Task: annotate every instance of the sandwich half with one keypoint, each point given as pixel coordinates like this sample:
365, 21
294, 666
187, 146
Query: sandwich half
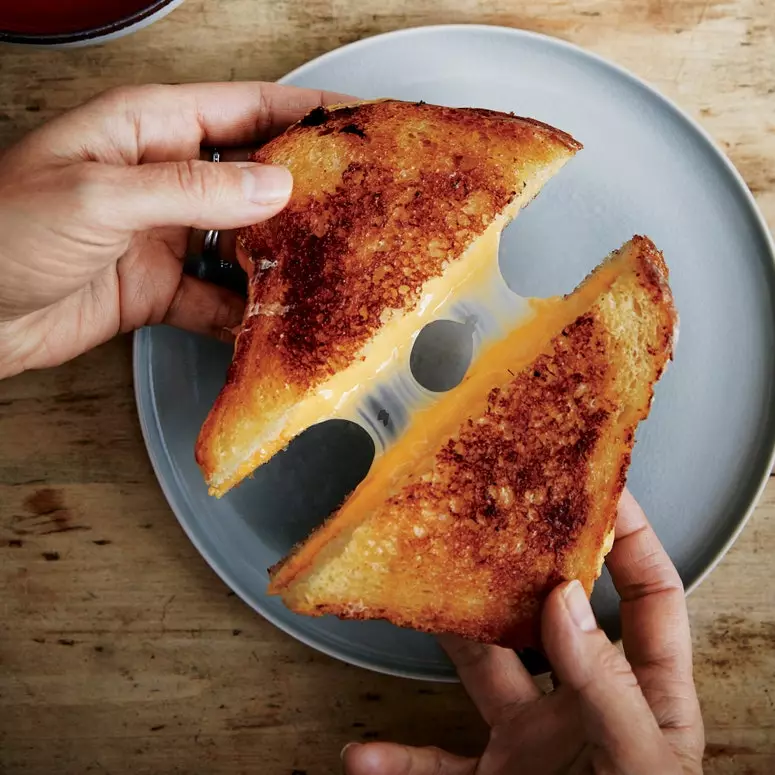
509, 484
393, 203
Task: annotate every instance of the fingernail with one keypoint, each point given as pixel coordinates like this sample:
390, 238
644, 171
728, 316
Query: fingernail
266, 184
345, 749
578, 607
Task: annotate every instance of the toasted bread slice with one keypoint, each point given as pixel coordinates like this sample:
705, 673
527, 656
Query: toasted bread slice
509, 484
389, 200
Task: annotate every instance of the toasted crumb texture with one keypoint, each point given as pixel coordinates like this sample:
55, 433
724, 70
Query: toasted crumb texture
521, 497
386, 196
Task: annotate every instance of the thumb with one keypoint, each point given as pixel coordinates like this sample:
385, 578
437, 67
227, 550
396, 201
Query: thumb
394, 759
616, 716
195, 193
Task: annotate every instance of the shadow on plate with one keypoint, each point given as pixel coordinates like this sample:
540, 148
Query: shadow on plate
442, 354
294, 492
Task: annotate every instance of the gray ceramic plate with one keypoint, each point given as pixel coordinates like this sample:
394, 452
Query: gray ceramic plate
704, 454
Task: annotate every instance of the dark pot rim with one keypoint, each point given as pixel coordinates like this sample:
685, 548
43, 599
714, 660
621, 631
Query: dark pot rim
81, 36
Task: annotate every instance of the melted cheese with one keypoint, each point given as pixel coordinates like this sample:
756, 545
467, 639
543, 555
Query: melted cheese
416, 449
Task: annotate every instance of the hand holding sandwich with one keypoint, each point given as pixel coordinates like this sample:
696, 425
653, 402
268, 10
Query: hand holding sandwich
96, 209
635, 713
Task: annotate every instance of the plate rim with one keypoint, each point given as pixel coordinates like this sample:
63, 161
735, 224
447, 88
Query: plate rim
145, 403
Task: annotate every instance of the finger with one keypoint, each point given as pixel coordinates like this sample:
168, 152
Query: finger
191, 193
233, 113
614, 711
655, 622
494, 678
158, 122
203, 308
394, 759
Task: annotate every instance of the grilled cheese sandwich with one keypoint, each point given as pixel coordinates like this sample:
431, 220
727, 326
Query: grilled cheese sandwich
509, 484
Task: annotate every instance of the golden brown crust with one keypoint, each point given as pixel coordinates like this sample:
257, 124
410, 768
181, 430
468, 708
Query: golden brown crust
412, 195
386, 194
523, 495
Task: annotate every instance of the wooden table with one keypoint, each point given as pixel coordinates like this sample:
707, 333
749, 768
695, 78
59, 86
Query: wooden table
120, 651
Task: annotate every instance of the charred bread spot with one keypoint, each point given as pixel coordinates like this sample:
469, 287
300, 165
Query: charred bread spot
353, 129
316, 117
346, 111
621, 481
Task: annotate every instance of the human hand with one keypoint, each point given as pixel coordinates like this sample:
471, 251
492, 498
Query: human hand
637, 715
96, 209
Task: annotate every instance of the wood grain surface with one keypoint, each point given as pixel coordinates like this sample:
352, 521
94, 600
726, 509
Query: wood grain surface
120, 651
